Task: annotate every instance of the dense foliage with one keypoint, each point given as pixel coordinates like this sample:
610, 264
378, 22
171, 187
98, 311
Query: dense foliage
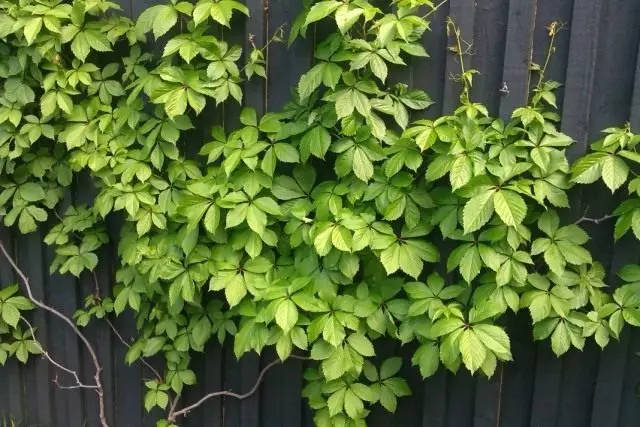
316, 229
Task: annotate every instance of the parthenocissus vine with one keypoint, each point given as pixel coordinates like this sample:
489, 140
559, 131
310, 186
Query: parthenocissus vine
314, 229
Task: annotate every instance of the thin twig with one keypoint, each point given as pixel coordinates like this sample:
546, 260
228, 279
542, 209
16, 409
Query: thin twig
92, 353
435, 9
126, 344
45, 354
175, 414
585, 218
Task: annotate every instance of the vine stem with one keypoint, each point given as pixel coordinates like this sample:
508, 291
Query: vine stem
435, 9
451, 26
126, 344
98, 387
554, 27
173, 414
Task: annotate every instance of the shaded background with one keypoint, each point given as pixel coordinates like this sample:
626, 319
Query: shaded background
597, 60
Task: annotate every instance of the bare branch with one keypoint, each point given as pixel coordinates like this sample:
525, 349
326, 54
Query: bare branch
585, 218
92, 353
175, 414
126, 344
47, 356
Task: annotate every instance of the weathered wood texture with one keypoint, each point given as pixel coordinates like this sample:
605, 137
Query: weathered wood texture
597, 59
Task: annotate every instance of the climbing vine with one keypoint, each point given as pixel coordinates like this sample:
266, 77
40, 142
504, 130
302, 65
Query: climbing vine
317, 229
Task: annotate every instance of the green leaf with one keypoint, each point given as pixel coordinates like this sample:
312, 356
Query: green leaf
235, 290
472, 350
256, 219
427, 357
588, 168
390, 258
80, 46
287, 315
31, 192
177, 103
361, 344
362, 166
560, 339
478, 211
495, 339
341, 238
510, 206
446, 326
470, 264
353, 405
614, 172
388, 399
346, 17
318, 140
335, 403
555, 259
311, 80
212, 219
461, 171
333, 331
321, 10
390, 367
32, 29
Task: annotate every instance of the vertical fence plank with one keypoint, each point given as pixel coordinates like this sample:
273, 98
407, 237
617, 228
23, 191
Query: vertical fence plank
12, 390
428, 73
517, 58
39, 373
629, 408
583, 49
213, 381
286, 65
489, 51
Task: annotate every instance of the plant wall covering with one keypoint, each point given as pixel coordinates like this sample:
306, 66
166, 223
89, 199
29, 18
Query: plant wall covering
317, 229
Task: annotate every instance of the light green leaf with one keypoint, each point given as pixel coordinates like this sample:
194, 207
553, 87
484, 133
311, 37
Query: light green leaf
362, 166
510, 206
321, 10
495, 339
614, 172
256, 219
470, 264
361, 344
478, 211
287, 315
461, 171
472, 350
560, 339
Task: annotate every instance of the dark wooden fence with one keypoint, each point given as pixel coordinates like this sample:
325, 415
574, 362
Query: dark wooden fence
597, 59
